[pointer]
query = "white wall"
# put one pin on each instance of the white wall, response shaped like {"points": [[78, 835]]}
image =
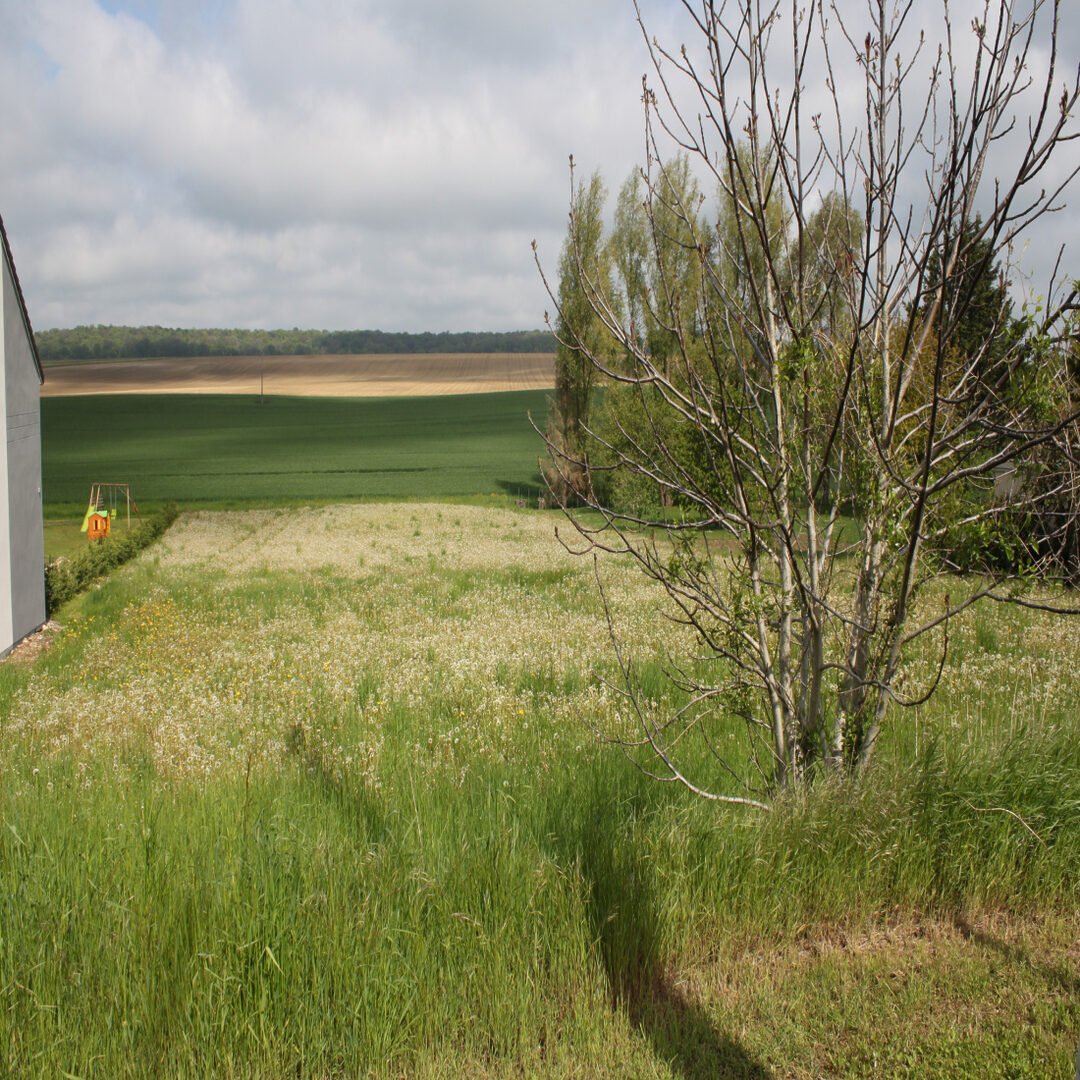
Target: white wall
{"points": [[22, 549]]}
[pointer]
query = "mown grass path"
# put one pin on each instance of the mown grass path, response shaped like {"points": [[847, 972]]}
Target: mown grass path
{"points": [[316, 793]]}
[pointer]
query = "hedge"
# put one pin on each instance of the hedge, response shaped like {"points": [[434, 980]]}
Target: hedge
{"points": [[67, 578]]}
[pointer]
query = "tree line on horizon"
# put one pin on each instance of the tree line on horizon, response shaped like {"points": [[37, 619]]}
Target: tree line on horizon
{"points": [[140, 342]]}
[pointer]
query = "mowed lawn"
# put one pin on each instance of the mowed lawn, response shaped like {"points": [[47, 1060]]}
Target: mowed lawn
{"points": [[232, 449]]}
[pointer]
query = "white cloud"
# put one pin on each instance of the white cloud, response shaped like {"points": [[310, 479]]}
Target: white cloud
{"points": [[335, 163], [161, 170]]}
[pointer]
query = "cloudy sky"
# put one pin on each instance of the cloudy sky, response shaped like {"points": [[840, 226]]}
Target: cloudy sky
{"points": [[315, 163]]}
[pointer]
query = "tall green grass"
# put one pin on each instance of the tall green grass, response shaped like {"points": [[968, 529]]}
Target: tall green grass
{"points": [[531, 916], [308, 924]]}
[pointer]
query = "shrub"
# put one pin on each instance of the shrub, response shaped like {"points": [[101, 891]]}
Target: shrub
{"points": [[66, 579]]}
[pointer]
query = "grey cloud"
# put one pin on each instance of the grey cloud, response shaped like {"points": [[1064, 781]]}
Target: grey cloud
{"points": [[311, 162], [314, 276]]}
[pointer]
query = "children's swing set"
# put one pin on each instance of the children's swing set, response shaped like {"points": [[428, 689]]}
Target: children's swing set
{"points": [[104, 500]]}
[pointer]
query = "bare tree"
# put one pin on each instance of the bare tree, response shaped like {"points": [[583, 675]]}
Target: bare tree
{"points": [[835, 427]]}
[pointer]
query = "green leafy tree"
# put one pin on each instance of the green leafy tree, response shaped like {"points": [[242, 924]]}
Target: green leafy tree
{"points": [[676, 236], [630, 252], [580, 331], [974, 310]]}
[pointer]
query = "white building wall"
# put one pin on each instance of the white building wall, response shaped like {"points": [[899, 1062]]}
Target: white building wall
{"points": [[7, 622], [22, 547]]}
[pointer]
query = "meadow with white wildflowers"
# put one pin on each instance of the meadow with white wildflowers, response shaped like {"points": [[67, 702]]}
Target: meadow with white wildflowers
{"points": [[318, 793], [253, 630]]}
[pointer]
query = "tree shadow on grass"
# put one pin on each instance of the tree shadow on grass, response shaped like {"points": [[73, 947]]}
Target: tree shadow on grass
{"points": [[624, 920], [350, 799], [1054, 975], [529, 490], [626, 924]]}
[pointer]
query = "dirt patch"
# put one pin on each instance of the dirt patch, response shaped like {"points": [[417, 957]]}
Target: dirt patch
{"points": [[32, 646], [391, 375]]}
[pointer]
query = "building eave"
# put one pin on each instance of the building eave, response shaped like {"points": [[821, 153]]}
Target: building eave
{"points": [[8, 258]]}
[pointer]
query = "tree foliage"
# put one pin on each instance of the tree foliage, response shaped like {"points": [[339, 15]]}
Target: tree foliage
{"points": [[584, 271], [137, 342]]}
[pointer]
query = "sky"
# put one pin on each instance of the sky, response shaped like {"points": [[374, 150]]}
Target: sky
{"points": [[328, 164]]}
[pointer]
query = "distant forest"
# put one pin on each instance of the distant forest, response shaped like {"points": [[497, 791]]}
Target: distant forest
{"points": [[133, 342]]}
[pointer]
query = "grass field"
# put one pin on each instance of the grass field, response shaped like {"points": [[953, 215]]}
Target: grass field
{"points": [[232, 449], [316, 793]]}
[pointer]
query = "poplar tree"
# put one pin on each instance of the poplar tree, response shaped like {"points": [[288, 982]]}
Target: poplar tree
{"points": [[584, 274]]}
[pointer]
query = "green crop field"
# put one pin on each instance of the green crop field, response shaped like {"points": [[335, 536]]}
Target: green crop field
{"points": [[232, 449]]}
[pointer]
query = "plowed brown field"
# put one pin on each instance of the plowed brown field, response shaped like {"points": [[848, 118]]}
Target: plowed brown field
{"points": [[391, 375]]}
